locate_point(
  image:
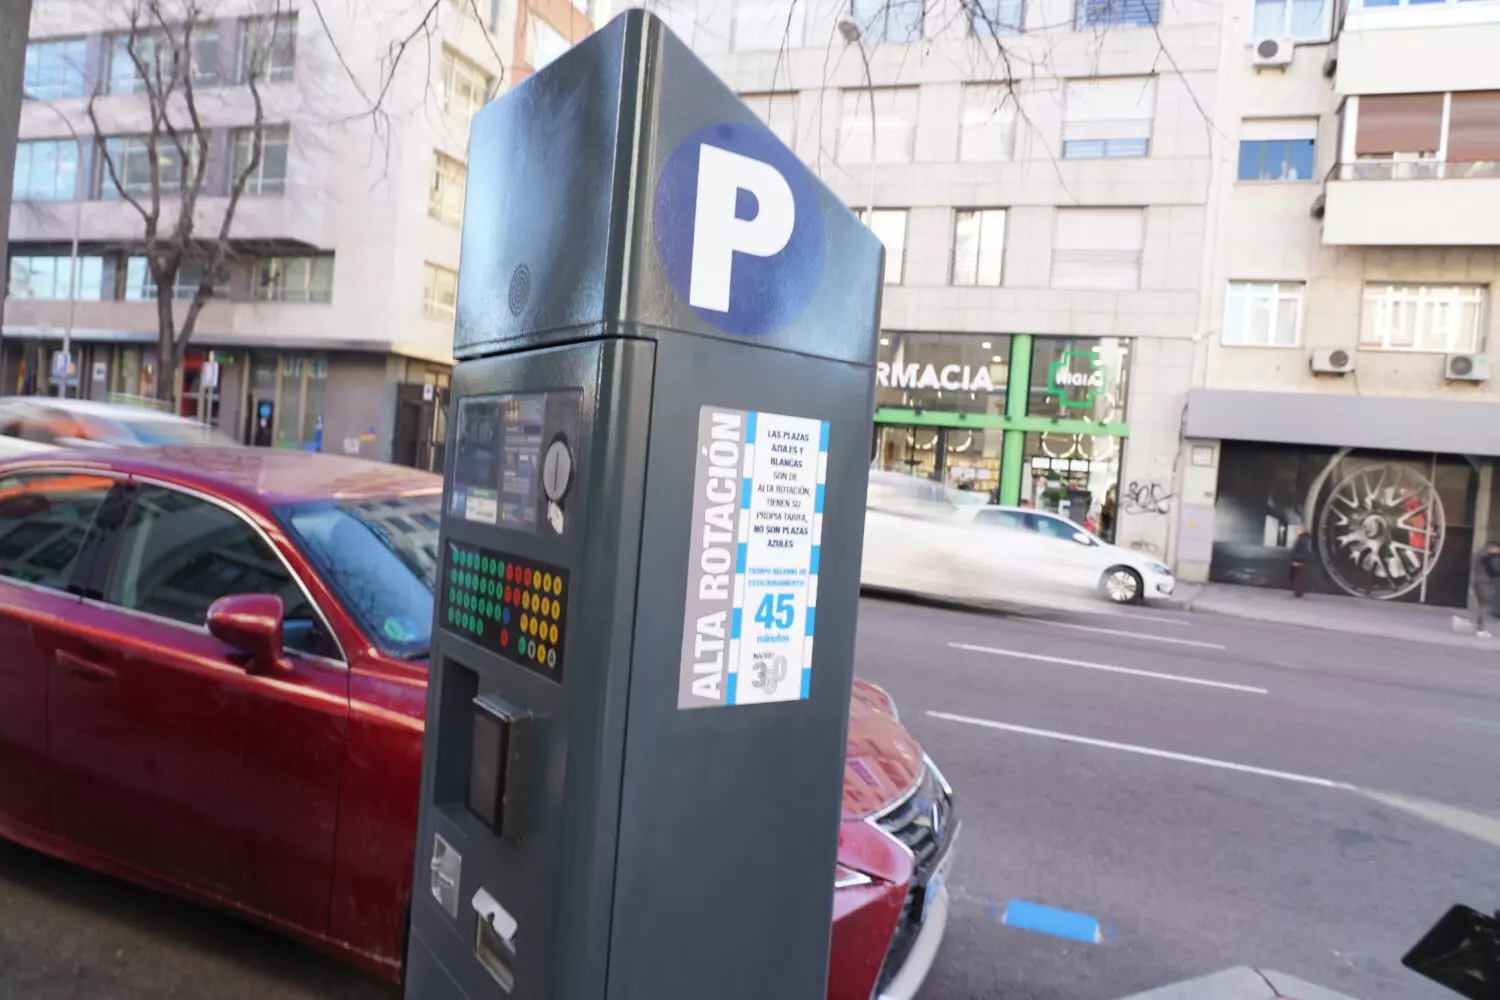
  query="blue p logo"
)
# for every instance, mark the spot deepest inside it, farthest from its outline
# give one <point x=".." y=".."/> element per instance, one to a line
<point x="739" y="228"/>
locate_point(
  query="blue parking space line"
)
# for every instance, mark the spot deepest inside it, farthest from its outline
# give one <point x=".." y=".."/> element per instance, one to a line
<point x="1051" y="920"/>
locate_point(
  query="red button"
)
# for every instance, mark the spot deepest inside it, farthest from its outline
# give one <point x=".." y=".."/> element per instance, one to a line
<point x="507" y="593"/>
<point x="505" y="637"/>
<point x="528" y="576"/>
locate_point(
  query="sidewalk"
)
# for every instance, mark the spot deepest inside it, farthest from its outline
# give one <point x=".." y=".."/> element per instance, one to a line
<point x="1241" y="983"/>
<point x="1387" y="619"/>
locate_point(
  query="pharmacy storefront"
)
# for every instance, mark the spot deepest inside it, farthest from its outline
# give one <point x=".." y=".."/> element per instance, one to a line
<point x="1019" y="417"/>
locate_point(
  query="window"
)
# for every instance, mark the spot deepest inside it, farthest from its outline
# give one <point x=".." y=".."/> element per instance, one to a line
<point x="54" y="69"/>
<point x="474" y="9"/>
<point x="141" y="287"/>
<point x="1474" y="127"/>
<point x="204" y="54"/>
<point x="1110" y="13"/>
<point x="132" y="164"/>
<point x="381" y="558"/>
<point x="152" y="50"/>
<point x="895" y="125"/>
<point x="978" y="246"/>
<point x="887" y="20"/>
<point x="1300" y="20"/>
<point x="1263" y="314"/>
<point x="544" y="43"/>
<point x="1052" y="527"/>
<point x="1399" y="126"/>
<point x="439" y="291"/>
<point x="890" y="226"/>
<point x="1277" y="149"/>
<point x="1009" y="520"/>
<point x="269" y="175"/>
<point x="40" y="277"/>
<point x="268" y="48"/>
<point x="465" y="85"/>
<point x="1098" y="248"/>
<point x="1108" y="118"/>
<point x="987" y="129"/>
<point x="1444" y="319"/>
<point x="294" y="279"/>
<point x="44" y="520"/>
<point x="46" y="171"/>
<point x="778" y="111"/>
<point x="988" y="18"/>
<point x="179" y="554"/>
<point x="445" y="202"/>
<point x="767" y="26"/>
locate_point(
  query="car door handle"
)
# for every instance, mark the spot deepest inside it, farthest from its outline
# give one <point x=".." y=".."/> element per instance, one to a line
<point x="84" y="669"/>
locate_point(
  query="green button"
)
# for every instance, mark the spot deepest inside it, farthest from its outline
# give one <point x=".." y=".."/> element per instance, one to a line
<point x="481" y="627"/>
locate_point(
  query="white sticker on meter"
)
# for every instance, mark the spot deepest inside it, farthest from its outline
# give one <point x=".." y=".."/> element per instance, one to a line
<point x="482" y="505"/>
<point x="752" y="588"/>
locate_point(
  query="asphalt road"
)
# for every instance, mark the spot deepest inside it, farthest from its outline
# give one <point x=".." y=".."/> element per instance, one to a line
<point x="1214" y="792"/>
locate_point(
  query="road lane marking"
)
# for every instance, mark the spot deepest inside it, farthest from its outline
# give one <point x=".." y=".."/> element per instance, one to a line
<point x="1478" y="826"/>
<point x="1053" y="921"/>
<point x="1482" y="723"/>
<point x="1130" y="635"/>
<point x="1184" y="758"/>
<point x="1135" y="616"/>
<point x="1107" y="668"/>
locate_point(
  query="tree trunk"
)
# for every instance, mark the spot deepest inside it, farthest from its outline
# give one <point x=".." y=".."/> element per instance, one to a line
<point x="166" y="349"/>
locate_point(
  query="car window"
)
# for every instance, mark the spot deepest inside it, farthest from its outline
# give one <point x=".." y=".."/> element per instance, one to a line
<point x="44" y="519"/>
<point x="179" y="554"/>
<point x="1010" y="520"/>
<point x="1052" y="527"/>
<point x="381" y="557"/>
<point x="170" y="432"/>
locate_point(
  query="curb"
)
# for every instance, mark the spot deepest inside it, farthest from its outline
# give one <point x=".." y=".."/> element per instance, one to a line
<point x="1241" y="983"/>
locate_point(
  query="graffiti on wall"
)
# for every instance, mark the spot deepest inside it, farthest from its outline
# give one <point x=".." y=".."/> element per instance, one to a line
<point x="1147" y="498"/>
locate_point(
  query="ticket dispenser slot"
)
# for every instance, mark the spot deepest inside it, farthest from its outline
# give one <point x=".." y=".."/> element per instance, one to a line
<point x="499" y="750"/>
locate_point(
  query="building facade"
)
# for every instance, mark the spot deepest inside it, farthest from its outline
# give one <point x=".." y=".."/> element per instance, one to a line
<point x="1345" y="383"/>
<point x="331" y="325"/>
<point x="1042" y="186"/>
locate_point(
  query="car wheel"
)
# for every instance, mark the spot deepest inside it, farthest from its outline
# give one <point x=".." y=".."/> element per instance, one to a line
<point x="1122" y="585"/>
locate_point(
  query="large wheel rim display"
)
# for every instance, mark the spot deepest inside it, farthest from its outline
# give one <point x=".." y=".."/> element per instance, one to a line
<point x="1380" y="531"/>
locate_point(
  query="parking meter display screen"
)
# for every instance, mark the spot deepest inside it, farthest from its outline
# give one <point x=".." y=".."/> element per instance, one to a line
<point x="498" y="466"/>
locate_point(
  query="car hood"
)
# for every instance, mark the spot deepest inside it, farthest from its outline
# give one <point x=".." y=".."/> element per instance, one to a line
<point x="882" y="761"/>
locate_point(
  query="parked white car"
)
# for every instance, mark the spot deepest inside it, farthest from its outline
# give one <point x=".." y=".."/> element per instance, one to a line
<point x="918" y="541"/>
<point x="42" y="423"/>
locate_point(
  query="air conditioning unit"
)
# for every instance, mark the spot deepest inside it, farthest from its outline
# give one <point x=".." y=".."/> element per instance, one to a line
<point x="1273" y="52"/>
<point x="1331" y="361"/>
<point x="1466" y="368"/>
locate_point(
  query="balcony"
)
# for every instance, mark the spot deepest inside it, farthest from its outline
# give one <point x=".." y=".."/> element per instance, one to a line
<point x="275" y="221"/>
<point x="1412" y="203"/>
<point x="1417" y="47"/>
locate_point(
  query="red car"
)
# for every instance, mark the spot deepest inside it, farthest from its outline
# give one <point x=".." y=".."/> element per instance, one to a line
<point x="153" y="727"/>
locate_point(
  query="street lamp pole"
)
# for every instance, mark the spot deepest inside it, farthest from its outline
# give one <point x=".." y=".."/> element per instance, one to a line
<point x="62" y="382"/>
<point x="853" y="36"/>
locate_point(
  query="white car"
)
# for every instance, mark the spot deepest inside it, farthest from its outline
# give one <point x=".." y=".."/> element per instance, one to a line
<point x="42" y="423"/>
<point x="929" y="545"/>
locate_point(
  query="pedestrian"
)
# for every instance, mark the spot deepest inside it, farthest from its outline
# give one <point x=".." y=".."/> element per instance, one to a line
<point x="1301" y="552"/>
<point x="1486" y="570"/>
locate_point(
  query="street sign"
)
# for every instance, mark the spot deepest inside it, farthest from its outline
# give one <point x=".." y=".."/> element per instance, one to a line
<point x="643" y="632"/>
<point x="62" y="364"/>
<point x="210" y="374"/>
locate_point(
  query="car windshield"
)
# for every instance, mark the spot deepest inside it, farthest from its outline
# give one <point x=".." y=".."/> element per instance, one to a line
<point x="380" y="556"/>
<point x="170" y="432"/>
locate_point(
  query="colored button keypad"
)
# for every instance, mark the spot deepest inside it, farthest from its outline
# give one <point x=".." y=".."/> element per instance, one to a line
<point x="510" y="606"/>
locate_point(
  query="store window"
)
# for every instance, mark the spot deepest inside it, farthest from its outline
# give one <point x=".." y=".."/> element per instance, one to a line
<point x="961" y="458"/>
<point x="952" y="372"/>
<point x="301" y="388"/>
<point x="1079" y="378"/>
<point x="1076" y="476"/>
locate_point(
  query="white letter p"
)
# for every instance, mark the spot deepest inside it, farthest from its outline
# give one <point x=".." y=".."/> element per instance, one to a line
<point x="718" y="235"/>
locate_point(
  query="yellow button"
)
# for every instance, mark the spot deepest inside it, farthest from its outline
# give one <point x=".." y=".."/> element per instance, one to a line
<point x="541" y="653"/>
<point x="557" y="585"/>
<point x="525" y="623"/>
<point x="536" y="627"/>
<point x="552" y="633"/>
<point x="546" y="582"/>
<point x="530" y="601"/>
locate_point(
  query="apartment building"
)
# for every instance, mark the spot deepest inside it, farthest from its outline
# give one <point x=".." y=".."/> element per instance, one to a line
<point x="1042" y="184"/>
<point x="1345" y="379"/>
<point x="330" y="327"/>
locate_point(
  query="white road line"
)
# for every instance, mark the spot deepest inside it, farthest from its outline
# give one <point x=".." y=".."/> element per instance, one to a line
<point x="1129" y="635"/>
<point x="1107" y="668"/>
<point x="1133" y="615"/>
<point x="1088" y="741"/>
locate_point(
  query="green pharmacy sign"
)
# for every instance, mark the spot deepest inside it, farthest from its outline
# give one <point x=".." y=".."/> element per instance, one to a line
<point x="1077" y="379"/>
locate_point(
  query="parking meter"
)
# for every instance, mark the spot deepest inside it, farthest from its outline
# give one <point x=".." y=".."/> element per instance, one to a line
<point x="653" y="508"/>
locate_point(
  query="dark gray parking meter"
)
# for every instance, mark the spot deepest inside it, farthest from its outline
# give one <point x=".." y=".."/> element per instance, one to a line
<point x="654" y="507"/>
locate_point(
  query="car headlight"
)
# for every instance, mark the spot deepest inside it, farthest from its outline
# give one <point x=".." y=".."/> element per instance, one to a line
<point x="1159" y="569"/>
<point x="847" y="878"/>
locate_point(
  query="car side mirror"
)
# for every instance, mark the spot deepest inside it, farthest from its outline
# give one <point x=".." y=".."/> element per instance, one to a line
<point x="252" y="624"/>
<point x="1461" y="952"/>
